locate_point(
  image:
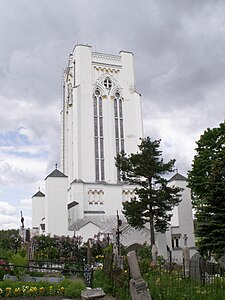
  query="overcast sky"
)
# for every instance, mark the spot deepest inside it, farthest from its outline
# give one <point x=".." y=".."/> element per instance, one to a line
<point x="179" y="52"/>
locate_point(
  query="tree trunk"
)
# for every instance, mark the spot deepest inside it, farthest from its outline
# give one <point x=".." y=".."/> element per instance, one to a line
<point x="152" y="231"/>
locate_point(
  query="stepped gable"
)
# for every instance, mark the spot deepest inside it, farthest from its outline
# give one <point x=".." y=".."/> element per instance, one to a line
<point x="177" y="176"/>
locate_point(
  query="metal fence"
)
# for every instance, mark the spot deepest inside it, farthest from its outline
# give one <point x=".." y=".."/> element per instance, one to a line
<point x="205" y="281"/>
<point x="54" y="268"/>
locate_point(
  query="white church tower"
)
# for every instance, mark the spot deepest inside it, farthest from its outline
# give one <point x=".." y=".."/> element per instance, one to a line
<point x="101" y="116"/>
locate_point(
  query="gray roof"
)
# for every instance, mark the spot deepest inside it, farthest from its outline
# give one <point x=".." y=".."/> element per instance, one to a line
<point x="56" y="173"/>
<point x="177" y="176"/>
<point x="38" y="194"/>
<point x="103" y="222"/>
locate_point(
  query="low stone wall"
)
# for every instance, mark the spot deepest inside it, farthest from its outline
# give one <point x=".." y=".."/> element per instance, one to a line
<point x="27" y="278"/>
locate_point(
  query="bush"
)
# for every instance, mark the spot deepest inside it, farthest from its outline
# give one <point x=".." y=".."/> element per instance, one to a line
<point x="19" y="263"/>
<point x="2" y="272"/>
<point x="101" y="280"/>
<point x="74" y="289"/>
<point x="36" y="274"/>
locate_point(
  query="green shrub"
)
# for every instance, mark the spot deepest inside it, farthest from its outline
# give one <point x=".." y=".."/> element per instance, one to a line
<point x="36" y="274"/>
<point x="19" y="263"/>
<point x="122" y="294"/>
<point x="2" y="272"/>
<point x="5" y="253"/>
<point x="74" y="289"/>
<point x="101" y="280"/>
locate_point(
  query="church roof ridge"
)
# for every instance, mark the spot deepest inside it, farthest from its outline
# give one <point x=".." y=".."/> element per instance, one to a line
<point x="177" y="176"/>
<point x="56" y="173"/>
<point x="38" y="194"/>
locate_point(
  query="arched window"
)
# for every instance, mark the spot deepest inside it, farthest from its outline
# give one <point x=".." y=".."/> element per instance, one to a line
<point x="99" y="137"/>
<point x="119" y="131"/>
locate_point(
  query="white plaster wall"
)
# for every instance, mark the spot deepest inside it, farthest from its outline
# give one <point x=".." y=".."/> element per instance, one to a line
<point x="185" y="214"/>
<point x="85" y="119"/>
<point x="77" y="194"/>
<point x="38" y="211"/>
<point x="112" y="198"/>
<point x="87" y="231"/>
<point x="109" y="140"/>
<point x="131" y="236"/>
<point x="184" y="218"/>
<point x="79" y="126"/>
<point x="161" y="244"/>
<point x="132" y="106"/>
<point x="175" y="217"/>
<point x="79" y="121"/>
<point x="56" y="206"/>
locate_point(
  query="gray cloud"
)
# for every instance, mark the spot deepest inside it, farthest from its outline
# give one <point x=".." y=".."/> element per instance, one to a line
<point x="179" y="66"/>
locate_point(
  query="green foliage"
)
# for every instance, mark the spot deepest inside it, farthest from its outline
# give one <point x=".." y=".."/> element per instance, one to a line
<point x="144" y="252"/>
<point x="207" y="183"/>
<point x="11" y="289"/>
<point x="2" y="272"/>
<point x="36" y="274"/>
<point x="19" y="263"/>
<point x="155" y="200"/>
<point x="22" y="252"/>
<point x="171" y="285"/>
<point x="144" y="255"/>
<point x="5" y="253"/>
<point x="55" y="248"/>
<point x="10" y="239"/>
<point x="73" y="290"/>
<point x="108" y="249"/>
<point x="101" y="280"/>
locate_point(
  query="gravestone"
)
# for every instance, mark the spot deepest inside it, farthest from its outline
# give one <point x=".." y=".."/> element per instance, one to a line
<point x="222" y="262"/>
<point x="92" y="294"/>
<point x="138" y="286"/>
<point x="108" y="261"/>
<point x="197" y="267"/>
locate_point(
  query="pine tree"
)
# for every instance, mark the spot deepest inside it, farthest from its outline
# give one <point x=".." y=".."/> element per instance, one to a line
<point x="207" y="183"/>
<point x="155" y="200"/>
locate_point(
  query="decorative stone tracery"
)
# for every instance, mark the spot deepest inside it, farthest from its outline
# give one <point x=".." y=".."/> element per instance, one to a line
<point x="107" y="70"/>
<point x="127" y="195"/>
<point x="95" y="196"/>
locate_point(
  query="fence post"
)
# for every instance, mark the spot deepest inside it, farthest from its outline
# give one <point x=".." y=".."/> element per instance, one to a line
<point x="92" y="275"/>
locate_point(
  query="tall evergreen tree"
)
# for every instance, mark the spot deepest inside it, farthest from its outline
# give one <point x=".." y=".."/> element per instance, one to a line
<point x="155" y="200"/>
<point x="207" y="183"/>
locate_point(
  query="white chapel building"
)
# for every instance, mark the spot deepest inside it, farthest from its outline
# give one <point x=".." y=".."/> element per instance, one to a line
<point x="101" y="115"/>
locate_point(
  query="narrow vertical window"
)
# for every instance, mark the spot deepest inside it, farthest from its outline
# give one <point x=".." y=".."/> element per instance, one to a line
<point x="119" y="130"/>
<point x="99" y="137"/>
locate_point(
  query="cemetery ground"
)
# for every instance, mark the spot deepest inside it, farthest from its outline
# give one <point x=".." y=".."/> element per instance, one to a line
<point x="165" y="280"/>
<point x="205" y="281"/>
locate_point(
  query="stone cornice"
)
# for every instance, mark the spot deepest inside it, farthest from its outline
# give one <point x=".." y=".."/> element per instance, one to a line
<point x="103" y="56"/>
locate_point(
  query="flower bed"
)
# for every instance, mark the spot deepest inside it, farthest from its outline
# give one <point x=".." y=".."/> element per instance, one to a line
<point x="41" y="290"/>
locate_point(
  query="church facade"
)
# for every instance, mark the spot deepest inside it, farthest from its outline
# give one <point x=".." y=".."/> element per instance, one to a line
<point x="101" y="115"/>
